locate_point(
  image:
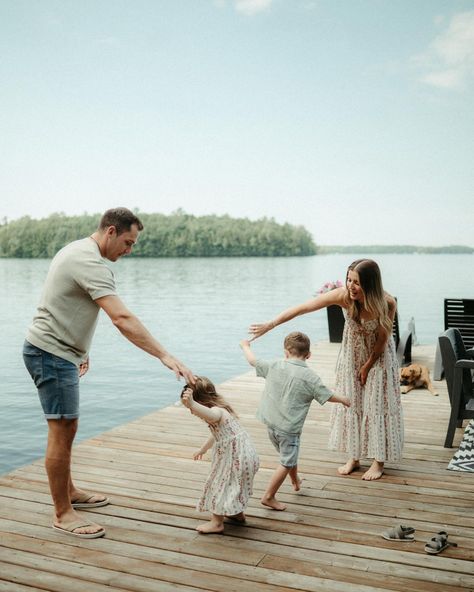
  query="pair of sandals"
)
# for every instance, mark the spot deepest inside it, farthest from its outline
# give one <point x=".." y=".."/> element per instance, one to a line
<point x="403" y="533"/>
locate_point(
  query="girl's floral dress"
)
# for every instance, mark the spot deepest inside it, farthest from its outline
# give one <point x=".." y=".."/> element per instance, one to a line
<point x="234" y="464"/>
<point x="373" y="426"/>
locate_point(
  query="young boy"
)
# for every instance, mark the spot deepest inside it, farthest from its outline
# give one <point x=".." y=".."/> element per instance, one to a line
<point x="290" y="387"/>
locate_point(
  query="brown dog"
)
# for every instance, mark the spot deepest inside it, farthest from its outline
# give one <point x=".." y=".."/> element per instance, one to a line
<point x="416" y="376"/>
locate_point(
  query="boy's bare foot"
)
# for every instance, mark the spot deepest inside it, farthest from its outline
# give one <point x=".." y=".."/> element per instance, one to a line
<point x="297" y="484"/>
<point x="210" y="527"/>
<point x="273" y="503"/>
<point x="240" y="518"/>
<point x="351" y="465"/>
<point x="375" y="471"/>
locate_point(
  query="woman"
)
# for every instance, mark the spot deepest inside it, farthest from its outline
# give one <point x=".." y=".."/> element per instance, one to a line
<point x="366" y="370"/>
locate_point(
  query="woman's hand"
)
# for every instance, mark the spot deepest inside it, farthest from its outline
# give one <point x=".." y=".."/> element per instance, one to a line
<point x="198" y="455"/>
<point x="259" y="329"/>
<point x="187" y="398"/>
<point x="363" y="372"/>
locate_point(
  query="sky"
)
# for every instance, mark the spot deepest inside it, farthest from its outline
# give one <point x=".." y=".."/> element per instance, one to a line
<point x="353" y="118"/>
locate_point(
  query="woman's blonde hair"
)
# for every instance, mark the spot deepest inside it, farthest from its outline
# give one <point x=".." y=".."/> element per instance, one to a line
<point x="204" y="392"/>
<point x="375" y="298"/>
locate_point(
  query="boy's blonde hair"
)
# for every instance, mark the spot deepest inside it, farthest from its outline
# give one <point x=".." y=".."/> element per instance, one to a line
<point x="204" y="392"/>
<point x="297" y="344"/>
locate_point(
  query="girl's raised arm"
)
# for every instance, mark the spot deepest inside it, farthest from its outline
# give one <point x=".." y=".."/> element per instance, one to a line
<point x="209" y="414"/>
<point x="322" y="301"/>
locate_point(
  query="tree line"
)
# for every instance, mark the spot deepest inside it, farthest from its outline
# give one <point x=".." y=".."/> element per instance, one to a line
<point x="380" y="249"/>
<point x="175" y="235"/>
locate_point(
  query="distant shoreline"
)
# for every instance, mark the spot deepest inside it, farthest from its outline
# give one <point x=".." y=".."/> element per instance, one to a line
<point x="395" y="249"/>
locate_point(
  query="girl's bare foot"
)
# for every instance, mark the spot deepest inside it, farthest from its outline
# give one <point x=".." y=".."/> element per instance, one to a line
<point x="351" y="465"/>
<point x="211" y="527"/>
<point x="240" y="518"/>
<point x="273" y="503"/>
<point x="297" y="483"/>
<point x="375" y="471"/>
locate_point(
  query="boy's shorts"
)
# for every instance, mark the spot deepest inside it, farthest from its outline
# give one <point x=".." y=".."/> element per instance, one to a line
<point x="288" y="445"/>
<point x="57" y="381"/>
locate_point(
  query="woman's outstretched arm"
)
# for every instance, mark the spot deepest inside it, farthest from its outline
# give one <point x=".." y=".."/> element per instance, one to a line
<point x="322" y="301"/>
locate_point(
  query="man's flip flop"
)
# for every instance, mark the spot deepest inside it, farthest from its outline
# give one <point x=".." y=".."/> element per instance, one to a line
<point x="399" y="533"/>
<point x="82" y="502"/>
<point x="438" y="543"/>
<point x="72" y="526"/>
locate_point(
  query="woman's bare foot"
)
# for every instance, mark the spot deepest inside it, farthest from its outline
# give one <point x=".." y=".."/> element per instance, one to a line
<point x="374" y="472"/>
<point x="351" y="465"/>
<point x="273" y="503"/>
<point x="213" y="526"/>
<point x="240" y="518"/>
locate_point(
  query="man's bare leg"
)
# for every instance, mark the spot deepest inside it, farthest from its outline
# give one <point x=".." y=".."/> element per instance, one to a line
<point x="351" y="465"/>
<point x="268" y="498"/>
<point x="61" y="433"/>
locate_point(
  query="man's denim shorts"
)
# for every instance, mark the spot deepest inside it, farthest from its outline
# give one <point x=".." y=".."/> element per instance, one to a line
<point x="57" y="381"/>
<point x="288" y="445"/>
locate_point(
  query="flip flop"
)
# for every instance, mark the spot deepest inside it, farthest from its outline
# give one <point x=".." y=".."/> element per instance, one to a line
<point x="399" y="533"/>
<point x="438" y="543"/>
<point x="72" y="526"/>
<point x="83" y="502"/>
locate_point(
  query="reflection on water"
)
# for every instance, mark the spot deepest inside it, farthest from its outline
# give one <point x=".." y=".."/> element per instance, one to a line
<point x="199" y="309"/>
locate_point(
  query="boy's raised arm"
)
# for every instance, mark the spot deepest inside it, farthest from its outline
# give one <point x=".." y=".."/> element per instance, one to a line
<point x="340" y="399"/>
<point x="248" y="353"/>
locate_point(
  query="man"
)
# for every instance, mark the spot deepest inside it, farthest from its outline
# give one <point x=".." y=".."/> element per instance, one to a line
<point x="56" y="350"/>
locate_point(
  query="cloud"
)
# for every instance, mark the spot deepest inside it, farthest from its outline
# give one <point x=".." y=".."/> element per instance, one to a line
<point x="247" y="7"/>
<point x="251" y="7"/>
<point x="449" y="61"/>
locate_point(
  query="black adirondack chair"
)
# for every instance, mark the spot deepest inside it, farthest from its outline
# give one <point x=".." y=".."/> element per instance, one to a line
<point x="458" y="366"/>
<point x="458" y="314"/>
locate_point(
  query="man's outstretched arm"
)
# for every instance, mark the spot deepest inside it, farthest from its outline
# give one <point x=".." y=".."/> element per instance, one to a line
<point x="135" y="331"/>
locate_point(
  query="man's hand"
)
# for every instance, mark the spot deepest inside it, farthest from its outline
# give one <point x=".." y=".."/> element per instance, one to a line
<point x="178" y="368"/>
<point x="244" y="343"/>
<point x="83" y="368"/>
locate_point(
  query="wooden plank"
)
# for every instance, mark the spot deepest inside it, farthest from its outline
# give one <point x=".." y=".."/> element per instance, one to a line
<point x="328" y="539"/>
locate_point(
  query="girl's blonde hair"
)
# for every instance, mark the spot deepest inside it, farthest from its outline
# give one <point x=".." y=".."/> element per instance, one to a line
<point x="204" y="392"/>
<point x="375" y="298"/>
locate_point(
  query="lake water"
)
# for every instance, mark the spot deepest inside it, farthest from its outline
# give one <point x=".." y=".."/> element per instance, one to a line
<point x="199" y="309"/>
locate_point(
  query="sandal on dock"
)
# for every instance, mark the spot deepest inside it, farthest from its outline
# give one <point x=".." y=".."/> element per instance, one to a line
<point x="71" y="527"/>
<point x="85" y="501"/>
<point x="438" y="543"/>
<point x="399" y="533"/>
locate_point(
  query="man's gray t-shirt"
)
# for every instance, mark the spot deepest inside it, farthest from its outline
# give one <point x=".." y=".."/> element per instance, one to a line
<point x="67" y="314"/>
<point x="290" y="387"/>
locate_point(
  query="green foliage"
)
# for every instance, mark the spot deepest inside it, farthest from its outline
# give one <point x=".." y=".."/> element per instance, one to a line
<point x="176" y="235"/>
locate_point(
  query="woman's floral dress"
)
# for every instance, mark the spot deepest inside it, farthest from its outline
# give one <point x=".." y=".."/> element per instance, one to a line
<point x="234" y="464"/>
<point x="373" y="426"/>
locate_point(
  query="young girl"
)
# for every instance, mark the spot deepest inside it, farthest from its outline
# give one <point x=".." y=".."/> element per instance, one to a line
<point x="234" y="462"/>
<point x="366" y="370"/>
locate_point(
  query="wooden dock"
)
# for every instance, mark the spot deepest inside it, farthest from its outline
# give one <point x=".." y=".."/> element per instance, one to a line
<point x="329" y="538"/>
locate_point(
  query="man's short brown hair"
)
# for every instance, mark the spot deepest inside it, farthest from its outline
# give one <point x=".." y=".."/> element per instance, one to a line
<point x="121" y="218"/>
<point x="297" y="344"/>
